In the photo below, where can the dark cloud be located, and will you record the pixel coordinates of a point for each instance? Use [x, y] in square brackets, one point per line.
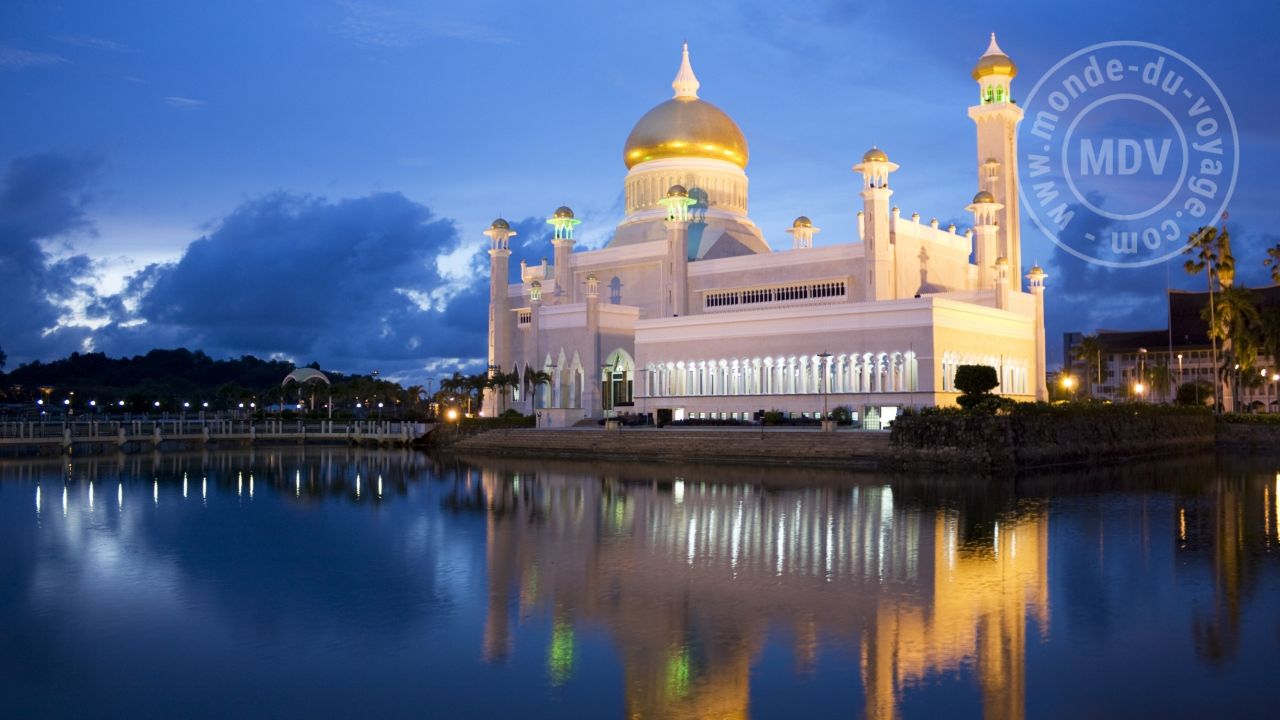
[42, 201]
[352, 284]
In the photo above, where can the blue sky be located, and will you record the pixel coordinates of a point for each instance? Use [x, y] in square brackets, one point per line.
[310, 179]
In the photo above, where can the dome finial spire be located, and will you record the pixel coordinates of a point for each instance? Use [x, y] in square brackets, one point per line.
[993, 48]
[686, 83]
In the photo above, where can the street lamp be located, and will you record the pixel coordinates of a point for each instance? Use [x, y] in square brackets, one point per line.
[1068, 384]
[1139, 388]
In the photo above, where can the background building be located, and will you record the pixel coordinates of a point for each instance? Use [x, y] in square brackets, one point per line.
[1152, 364]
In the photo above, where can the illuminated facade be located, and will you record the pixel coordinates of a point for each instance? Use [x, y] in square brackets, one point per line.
[689, 311]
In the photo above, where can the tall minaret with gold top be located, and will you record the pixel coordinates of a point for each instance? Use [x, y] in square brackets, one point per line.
[997, 119]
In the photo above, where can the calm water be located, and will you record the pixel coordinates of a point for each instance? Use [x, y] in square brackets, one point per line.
[348, 583]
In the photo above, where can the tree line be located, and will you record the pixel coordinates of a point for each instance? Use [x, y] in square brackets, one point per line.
[180, 379]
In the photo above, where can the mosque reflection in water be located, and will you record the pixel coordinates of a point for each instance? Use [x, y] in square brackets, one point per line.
[693, 574]
[689, 576]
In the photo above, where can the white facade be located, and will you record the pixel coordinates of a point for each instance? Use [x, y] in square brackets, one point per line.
[689, 311]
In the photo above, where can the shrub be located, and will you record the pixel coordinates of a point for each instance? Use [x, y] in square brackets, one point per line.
[975, 382]
[1195, 393]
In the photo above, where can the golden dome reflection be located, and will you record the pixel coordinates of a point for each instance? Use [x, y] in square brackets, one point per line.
[686, 127]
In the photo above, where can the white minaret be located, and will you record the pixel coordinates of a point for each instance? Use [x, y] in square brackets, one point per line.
[533, 346]
[876, 228]
[802, 232]
[591, 400]
[1036, 285]
[562, 240]
[997, 117]
[676, 268]
[986, 240]
[499, 233]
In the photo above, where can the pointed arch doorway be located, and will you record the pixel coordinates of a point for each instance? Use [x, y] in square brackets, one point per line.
[617, 380]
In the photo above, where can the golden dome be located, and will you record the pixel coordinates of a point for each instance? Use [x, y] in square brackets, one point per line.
[501, 224]
[563, 212]
[685, 127]
[677, 191]
[994, 62]
[875, 154]
[983, 197]
[803, 222]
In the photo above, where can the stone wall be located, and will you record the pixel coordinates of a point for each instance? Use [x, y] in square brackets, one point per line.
[1253, 437]
[1039, 436]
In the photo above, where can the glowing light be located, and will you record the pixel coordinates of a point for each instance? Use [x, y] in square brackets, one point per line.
[37, 499]
[736, 537]
[379, 486]
[184, 485]
[155, 492]
[1139, 388]
[357, 484]
[90, 496]
[250, 486]
[239, 483]
[677, 491]
[693, 537]
[297, 483]
[452, 415]
[560, 662]
[781, 549]
[1182, 524]
[204, 489]
[120, 496]
[678, 674]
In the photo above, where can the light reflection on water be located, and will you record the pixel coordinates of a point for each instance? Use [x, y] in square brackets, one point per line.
[456, 590]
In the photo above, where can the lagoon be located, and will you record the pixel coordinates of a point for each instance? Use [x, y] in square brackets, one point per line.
[333, 581]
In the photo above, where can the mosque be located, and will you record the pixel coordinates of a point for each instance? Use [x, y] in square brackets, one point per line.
[689, 312]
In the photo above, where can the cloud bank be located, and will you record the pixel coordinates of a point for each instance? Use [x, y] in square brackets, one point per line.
[353, 284]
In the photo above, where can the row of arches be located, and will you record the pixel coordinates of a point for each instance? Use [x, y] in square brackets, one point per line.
[839, 373]
[568, 381]
[1013, 373]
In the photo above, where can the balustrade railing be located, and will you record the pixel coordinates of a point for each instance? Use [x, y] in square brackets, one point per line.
[196, 429]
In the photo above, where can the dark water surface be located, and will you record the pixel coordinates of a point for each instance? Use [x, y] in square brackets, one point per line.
[345, 583]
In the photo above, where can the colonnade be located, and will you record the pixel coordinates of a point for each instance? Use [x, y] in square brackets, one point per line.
[791, 375]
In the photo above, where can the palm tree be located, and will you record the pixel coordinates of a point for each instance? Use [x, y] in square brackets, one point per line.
[502, 382]
[533, 379]
[1273, 262]
[1234, 319]
[1269, 334]
[475, 385]
[1089, 351]
[1161, 376]
[1211, 251]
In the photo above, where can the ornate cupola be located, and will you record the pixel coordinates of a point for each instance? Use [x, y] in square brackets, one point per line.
[994, 72]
